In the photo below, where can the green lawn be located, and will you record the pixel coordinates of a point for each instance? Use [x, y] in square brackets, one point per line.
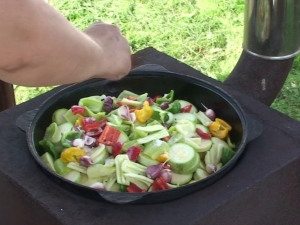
[205, 34]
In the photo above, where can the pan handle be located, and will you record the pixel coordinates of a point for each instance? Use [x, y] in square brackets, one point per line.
[254, 129]
[23, 121]
[149, 68]
[120, 198]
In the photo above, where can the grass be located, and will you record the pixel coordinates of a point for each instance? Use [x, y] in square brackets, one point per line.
[205, 34]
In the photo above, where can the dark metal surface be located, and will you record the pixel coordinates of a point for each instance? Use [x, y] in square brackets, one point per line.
[7, 96]
[263, 188]
[259, 78]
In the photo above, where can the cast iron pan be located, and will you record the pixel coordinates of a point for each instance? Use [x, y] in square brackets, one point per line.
[154, 80]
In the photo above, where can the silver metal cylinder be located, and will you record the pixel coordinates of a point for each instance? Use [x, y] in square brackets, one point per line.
[272, 28]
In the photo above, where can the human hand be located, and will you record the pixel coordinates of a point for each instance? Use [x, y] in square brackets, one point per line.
[116, 61]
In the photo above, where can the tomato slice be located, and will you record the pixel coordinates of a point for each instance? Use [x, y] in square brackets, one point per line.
[203, 134]
[133, 188]
[160, 184]
[76, 109]
[186, 109]
[116, 149]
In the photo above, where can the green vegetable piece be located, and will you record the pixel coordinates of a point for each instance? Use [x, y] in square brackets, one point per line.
[128, 144]
[156, 148]
[48, 160]
[117, 120]
[61, 167]
[97, 116]
[122, 127]
[142, 97]
[48, 146]
[50, 131]
[166, 98]
[58, 116]
[227, 154]
[91, 103]
[131, 102]
[174, 107]
[69, 137]
[154, 122]
[126, 93]
[70, 117]
[137, 134]
[123, 188]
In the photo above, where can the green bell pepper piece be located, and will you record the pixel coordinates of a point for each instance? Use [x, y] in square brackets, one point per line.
[68, 137]
[166, 98]
[49, 147]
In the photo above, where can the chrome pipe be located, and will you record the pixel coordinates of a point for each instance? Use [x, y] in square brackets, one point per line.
[272, 28]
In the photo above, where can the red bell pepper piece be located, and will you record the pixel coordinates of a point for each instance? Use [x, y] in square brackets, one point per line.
[134, 152]
[109, 136]
[159, 184]
[156, 97]
[116, 149]
[186, 109]
[133, 188]
[76, 109]
[90, 126]
[203, 134]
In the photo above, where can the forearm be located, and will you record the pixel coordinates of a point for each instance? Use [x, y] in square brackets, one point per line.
[39, 47]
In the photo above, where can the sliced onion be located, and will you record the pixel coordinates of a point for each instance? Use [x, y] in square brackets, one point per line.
[166, 174]
[210, 168]
[78, 142]
[85, 161]
[133, 117]
[89, 141]
[154, 171]
[124, 112]
[98, 185]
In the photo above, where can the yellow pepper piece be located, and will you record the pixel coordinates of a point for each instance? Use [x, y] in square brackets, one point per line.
[219, 128]
[222, 133]
[78, 122]
[72, 154]
[214, 126]
[145, 113]
[163, 157]
[224, 124]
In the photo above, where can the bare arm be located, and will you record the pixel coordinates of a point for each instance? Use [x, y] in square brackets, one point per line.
[39, 47]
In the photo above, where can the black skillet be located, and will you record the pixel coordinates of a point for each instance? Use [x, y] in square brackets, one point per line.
[154, 80]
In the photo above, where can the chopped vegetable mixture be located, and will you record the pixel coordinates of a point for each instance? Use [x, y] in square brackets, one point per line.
[136, 143]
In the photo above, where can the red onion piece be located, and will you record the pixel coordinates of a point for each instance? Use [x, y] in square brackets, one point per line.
[133, 117]
[153, 171]
[166, 174]
[209, 113]
[124, 112]
[89, 141]
[108, 104]
[77, 128]
[150, 100]
[164, 105]
[85, 161]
